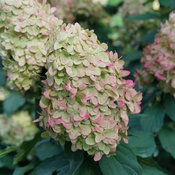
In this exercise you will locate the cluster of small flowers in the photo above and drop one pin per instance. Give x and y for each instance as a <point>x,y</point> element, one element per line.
<point>16,129</point>
<point>86,99</point>
<point>159,58</point>
<point>24,29</point>
<point>84,83</point>
<point>70,10</point>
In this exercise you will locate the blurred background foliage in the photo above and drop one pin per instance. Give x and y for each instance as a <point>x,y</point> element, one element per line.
<point>127,26</point>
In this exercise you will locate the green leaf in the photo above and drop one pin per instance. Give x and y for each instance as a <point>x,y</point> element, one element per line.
<point>149,170</point>
<point>150,167</point>
<point>61,164</point>
<point>7,151</point>
<point>169,104</point>
<point>13,103</point>
<point>147,37</point>
<point>144,16</point>
<point>89,168</point>
<point>123,163</point>
<point>167,139</point>
<point>23,170</point>
<point>142,143</point>
<point>114,2</point>
<point>116,21</point>
<point>153,118</point>
<point>46,149</point>
<point>6,162</point>
<point>133,56</point>
<point>167,3</point>
<point>2,78</point>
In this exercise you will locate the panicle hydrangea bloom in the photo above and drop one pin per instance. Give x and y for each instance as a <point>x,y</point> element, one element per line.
<point>24,29</point>
<point>71,10</point>
<point>159,58</point>
<point>17,129</point>
<point>86,99</point>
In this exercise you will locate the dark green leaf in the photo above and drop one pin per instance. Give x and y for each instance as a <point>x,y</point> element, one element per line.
<point>169,103</point>
<point>149,170</point>
<point>23,170</point>
<point>13,103</point>
<point>142,143</point>
<point>61,164</point>
<point>46,149</point>
<point>145,16</point>
<point>153,118</point>
<point>168,3</point>
<point>133,56</point>
<point>124,163</point>
<point>2,78</point>
<point>89,167</point>
<point>7,151</point>
<point>167,139</point>
<point>148,37</point>
<point>6,161</point>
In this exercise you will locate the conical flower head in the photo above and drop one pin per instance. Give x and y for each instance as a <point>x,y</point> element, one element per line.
<point>159,58</point>
<point>86,100</point>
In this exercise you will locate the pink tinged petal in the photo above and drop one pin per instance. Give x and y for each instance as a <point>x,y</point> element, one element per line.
<point>62,105</point>
<point>102,84</point>
<point>121,102</point>
<point>125,73</point>
<point>94,101</point>
<point>69,71</point>
<point>99,138</point>
<point>137,108</point>
<point>72,90</point>
<point>73,134</point>
<point>47,94</point>
<point>159,76</point>
<point>124,117</point>
<point>130,83</point>
<point>125,140</point>
<point>53,10</point>
<point>77,118</point>
<point>99,119</point>
<point>112,80</point>
<point>85,129</point>
<point>68,126</point>
<point>86,117</point>
<point>148,64</point>
<point>58,121</point>
<point>97,156</point>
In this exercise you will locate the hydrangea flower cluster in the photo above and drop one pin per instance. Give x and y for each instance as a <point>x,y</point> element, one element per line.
<point>159,58</point>
<point>70,10</point>
<point>17,129</point>
<point>129,33</point>
<point>24,29</point>
<point>86,100</point>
